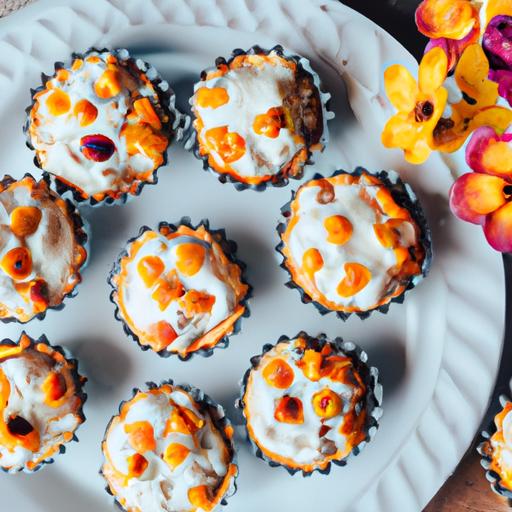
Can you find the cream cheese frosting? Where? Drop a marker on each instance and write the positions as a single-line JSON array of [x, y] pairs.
[[186, 462]]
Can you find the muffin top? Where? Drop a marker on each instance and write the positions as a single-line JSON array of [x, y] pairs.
[[348, 243], [304, 404], [41, 248], [258, 116], [177, 290], [165, 453], [100, 126], [501, 445], [41, 402]]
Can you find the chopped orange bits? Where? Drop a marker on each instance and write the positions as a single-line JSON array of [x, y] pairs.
[[141, 436], [327, 403], [140, 138], [278, 374], [401, 255], [150, 268], [108, 84], [230, 146], [25, 220], [58, 102], [196, 302], [387, 233], [77, 64], [54, 388], [164, 334], [389, 206], [211, 97], [176, 423], [190, 258], [175, 454], [289, 410], [336, 368], [168, 290], [339, 229], [62, 75], [39, 294], [24, 433], [86, 112], [270, 123], [17, 263], [357, 276], [312, 261], [200, 497], [192, 420], [137, 464], [147, 113], [310, 364]]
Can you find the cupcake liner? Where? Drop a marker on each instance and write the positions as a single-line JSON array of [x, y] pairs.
[[405, 197], [303, 68], [485, 450], [369, 375], [175, 128], [79, 381], [82, 237], [216, 413], [229, 248]]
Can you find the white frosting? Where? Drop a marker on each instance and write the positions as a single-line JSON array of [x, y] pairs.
[[58, 138], [44, 249], [206, 463], [363, 247], [26, 373], [144, 311], [251, 93], [504, 449], [298, 442]]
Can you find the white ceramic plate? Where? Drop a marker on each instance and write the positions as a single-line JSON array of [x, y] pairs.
[[438, 353]]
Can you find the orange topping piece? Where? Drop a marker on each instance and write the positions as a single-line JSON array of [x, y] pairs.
[[168, 290], [58, 102], [54, 388], [270, 123], [230, 146], [175, 454], [389, 206], [327, 403], [164, 334], [190, 258], [141, 436], [17, 263], [339, 229], [196, 302], [62, 75], [336, 368], [200, 497], [312, 261], [140, 138], [401, 255], [357, 276], [289, 410], [310, 364], [176, 423], [108, 84], [192, 420], [77, 64], [137, 464], [278, 374], [86, 112], [147, 113], [25, 220], [211, 97], [150, 268], [387, 233], [24, 433]]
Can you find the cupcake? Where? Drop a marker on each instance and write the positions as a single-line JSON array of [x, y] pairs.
[[258, 117], [100, 127], [354, 242], [180, 289], [42, 249], [41, 405], [496, 451], [309, 401], [169, 449]]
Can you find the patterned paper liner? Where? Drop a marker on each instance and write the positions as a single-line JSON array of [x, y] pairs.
[[79, 381], [373, 397], [405, 197], [82, 238], [216, 413], [279, 180], [174, 128], [229, 247]]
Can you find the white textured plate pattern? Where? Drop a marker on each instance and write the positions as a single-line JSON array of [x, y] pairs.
[[438, 353]]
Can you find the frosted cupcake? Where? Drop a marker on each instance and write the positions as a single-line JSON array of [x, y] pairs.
[[169, 449], [180, 289], [309, 402], [42, 249], [41, 403], [258, 117], [100, 127], [354, 242]]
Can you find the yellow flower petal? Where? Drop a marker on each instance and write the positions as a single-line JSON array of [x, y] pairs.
[[398, 133], [401, 88], [433, 70], [495, 8], [418, 153]]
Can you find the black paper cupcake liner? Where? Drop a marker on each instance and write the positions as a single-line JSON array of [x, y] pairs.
[[405, 197], [304, 69], [229, 248], [373, 397]]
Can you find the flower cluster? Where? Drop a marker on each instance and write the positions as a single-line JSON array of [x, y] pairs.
[[464, 88]]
